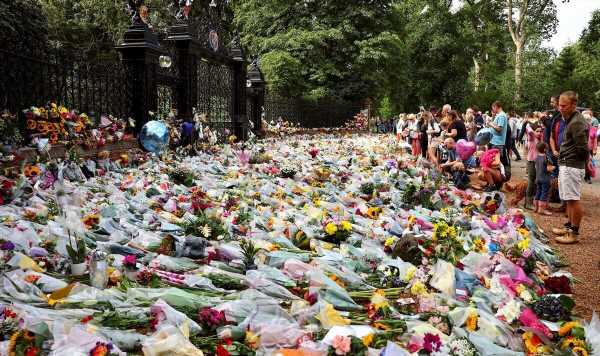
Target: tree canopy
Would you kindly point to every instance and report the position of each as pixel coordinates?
(413, 52)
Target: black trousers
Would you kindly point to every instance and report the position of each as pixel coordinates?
(513, 147)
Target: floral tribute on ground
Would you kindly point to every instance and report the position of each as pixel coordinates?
(320, 244)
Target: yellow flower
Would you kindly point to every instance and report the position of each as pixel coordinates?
(524, 232)
(452, 232)
(331, 229)
(580, 351)
(479, 246)
(412, 219)
(367, 340)
(252, 340)
(418, 288)
(566, 328)
(329, 317)
(410, 273)
(389, 242)
(379, 300)
(346, 225)
(531, 343)
(471, 322)
(572, 342)
(373, 212)
(381, 326)
(523, 244)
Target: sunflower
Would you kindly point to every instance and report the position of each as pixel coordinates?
(54, 127)
(91, 220)
(31, 171)
(572, 342)
(53, 138)
(31, 124)
(373, 212)
(41, 126)
(580, 351)
(78, 127)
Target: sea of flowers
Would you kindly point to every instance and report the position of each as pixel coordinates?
(326, 244)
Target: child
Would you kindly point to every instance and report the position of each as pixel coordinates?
(534, 135)
(542, 179)
(492, 170)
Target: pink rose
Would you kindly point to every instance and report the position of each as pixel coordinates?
(415, 344)
(341, 344)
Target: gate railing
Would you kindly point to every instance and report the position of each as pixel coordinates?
(185, 70)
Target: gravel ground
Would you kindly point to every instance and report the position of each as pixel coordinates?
(583, 258)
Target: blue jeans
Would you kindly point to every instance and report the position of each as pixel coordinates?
(541, 191)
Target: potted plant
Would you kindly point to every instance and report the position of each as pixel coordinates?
(249, 250)
(77, 255)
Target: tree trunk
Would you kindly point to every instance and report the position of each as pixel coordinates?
(519, 71)
(477, 79)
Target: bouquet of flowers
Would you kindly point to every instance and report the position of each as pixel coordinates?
(9, 130)
(55, 122)
(336, 232)
(347, 345)
(6, 190)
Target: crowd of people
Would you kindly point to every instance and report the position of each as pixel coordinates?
(476, 148)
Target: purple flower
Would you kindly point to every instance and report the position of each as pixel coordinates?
(7, 245)
(38, 252)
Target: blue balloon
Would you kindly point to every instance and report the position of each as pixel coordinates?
(154, 136)
(484, 136)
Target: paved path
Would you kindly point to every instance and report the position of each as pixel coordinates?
(583, 258)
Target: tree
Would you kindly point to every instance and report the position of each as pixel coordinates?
(23, 27)
(564, 68)
(344, 47)
(482, 27)
(527, 18)
(590, 37)
(385, 108)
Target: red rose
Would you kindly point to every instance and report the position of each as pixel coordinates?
(221, 351)
(559, 285)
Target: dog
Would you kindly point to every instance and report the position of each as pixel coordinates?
(519, 189)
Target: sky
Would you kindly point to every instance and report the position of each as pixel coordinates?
(573, 18)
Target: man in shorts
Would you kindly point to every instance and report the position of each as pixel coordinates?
(572, 158)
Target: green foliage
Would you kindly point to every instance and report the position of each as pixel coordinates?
(22, 23)
(182, 176)
(283, 73)
(121, 321)
(77, 253)
(204, 226)
(401, 53)
(385, 108)
(249, 251)
(225, 281)
(319, 49)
